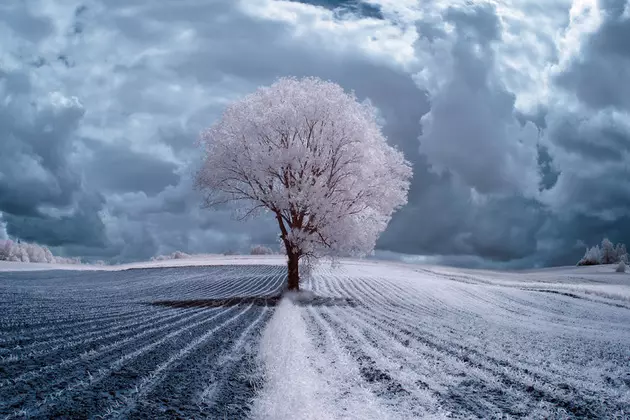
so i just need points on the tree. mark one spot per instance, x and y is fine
(311, 155)
(622, 254)
(260, 250)
(592, 256)
(609, 255)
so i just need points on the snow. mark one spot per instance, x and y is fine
(365, 339)
(434, 342)
(304, 383)
(194, 261)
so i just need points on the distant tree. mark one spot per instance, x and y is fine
(609, 255)
(261, 250)
(29, 252)
(622, 254)
(177, 255)
(592, 256)
(5, 249)
(316, 159)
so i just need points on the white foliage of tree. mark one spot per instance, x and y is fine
(593, 256)
(309, 153)
(261, 250)
(67, 260)
(606, 254)
(5, 249)
(622, 254)
(29, 252)
(609, 255)
(177, 255)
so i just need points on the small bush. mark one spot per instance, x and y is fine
(621, 268)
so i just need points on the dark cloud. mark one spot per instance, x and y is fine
(599, 75)
(444, 217)
(103, 101)
(115, 168)
(37, 140)
(472, 130)
(589, 141)
(82, 227)
(347, 7)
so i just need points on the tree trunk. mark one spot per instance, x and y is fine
(294, 271)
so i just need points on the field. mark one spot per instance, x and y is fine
(375, 341)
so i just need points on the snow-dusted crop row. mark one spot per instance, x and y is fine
(396, 342)
(93, 344)
(427, 345)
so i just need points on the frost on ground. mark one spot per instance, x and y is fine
(434, 342)
(91, 345)
(304, 381)
(366, 340)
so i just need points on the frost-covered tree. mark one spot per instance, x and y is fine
(609, 255)
(606, 254)
(622, 254)
(592, 256)
(29, 252)
(260, 250)
(316, 159)
(5, 249)
(177, 255)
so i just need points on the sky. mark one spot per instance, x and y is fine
(515, 115)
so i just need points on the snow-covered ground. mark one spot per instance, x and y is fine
(380, 340)
(442, 342)
(194, 261)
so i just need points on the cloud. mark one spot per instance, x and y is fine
(588, 125)
(598, 73)
(514, 115)
(472, 130)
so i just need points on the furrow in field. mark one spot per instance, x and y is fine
(102, 352)
(70, 348)
(517, 361)
(127, 400)
(220, 387)
(28, 328)
(106, 332)
(118, 370)
(403, 389)
(34, 337)
(511, 374)
(424, 370)
(351, 393)
(484, 406)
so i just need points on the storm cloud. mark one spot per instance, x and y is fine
(514, 116)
